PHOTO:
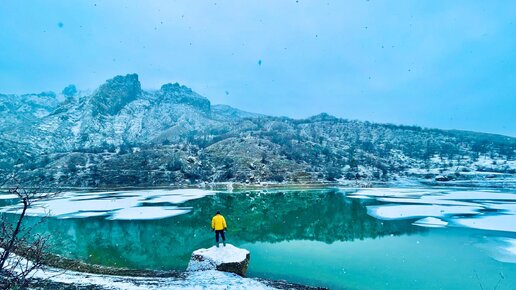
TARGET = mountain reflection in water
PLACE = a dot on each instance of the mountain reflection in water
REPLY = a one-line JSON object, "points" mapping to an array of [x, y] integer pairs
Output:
{"points": [[253, 216]]}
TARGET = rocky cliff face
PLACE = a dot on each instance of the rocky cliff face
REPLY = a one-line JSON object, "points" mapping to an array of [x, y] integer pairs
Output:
{"points": [[177, 94], [122, 135], [115, 94]]}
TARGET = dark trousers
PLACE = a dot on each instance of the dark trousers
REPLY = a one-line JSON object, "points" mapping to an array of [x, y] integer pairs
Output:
{"points": [[221, 233]]}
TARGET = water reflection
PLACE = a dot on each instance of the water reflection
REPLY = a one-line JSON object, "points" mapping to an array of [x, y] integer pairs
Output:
{"points": [[253, 216]]}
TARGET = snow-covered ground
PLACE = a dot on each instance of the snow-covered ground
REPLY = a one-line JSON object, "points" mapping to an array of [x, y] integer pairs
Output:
{"points": [[210, 279], [194, 280]]}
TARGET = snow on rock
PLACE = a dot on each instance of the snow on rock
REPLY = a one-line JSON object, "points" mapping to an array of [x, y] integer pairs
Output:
{"points": [[227, 259]]}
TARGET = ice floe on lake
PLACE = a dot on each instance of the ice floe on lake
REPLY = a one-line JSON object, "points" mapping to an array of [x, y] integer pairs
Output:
{"points": [[8, 196], [147, 213], [394, 192], [502, 249], [430, 222], [504, 223], [426, 200], [114, 205], [394, 211], [493, 210]]}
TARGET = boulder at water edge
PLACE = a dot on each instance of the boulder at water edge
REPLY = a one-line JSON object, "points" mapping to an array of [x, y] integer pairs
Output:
{"points": [[227, 259]]}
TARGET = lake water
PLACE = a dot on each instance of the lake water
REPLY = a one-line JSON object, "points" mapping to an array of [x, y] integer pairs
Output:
{"points": [[383, 238]]}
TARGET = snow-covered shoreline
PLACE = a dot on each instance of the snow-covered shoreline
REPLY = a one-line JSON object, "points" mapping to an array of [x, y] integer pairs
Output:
{"points": [[209, 279]]}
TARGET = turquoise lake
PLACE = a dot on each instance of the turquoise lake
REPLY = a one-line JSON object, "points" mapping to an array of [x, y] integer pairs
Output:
{"points": [[382, 238]]}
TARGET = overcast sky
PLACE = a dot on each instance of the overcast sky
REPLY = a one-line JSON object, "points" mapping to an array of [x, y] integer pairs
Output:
{"points": [[444, 64]]}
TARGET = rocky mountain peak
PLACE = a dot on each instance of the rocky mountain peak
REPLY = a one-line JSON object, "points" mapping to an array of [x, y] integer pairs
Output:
{"points": [[115, 93], [322, 117], [176, 93], [69, 91], [175, 88]]}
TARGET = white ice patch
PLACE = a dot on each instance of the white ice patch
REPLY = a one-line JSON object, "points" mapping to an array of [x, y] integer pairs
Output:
{"points": [[178, 196], [359, 196], [112, 204], [431, 222], [393, 211], [83, 214], [407, 203], [501, 249], [395, 192], [147, 213], [507, 208], [8, 196], [427, 200], [505, 223], [478, 195], [511, 247]]}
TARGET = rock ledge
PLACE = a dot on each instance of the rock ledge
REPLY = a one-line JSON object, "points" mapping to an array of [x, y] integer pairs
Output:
{"points": [[226, 259]]}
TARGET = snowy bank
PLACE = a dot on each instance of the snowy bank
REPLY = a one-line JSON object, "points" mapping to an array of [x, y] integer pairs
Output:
{"points": [[57, 278], [49, 277], [226, 259]]}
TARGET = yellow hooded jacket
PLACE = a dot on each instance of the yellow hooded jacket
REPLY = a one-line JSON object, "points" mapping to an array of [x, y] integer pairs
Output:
{"points": [[218, 223]]}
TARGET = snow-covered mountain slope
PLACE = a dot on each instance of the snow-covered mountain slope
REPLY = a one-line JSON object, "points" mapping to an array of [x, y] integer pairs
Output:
{"points": [[120, 134]]}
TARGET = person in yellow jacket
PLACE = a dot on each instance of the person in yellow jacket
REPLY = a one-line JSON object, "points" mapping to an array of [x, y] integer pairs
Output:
{"points": [[218, 224]]}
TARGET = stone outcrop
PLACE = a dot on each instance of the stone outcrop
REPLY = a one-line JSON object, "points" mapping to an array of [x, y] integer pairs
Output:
{"points": [[226, 259], [179, 94], [117, 92]]}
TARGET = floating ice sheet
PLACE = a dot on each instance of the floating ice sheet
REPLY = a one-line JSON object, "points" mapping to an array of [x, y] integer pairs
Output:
{"points": [[394, 211], [407, 203], [84, 214], [431, 222], [359, 196], [502, 222], [502, 249], [427, 200], [147, 213], [113, 204], [178, 196], [507, 208], [395, 192], [478, 195]]}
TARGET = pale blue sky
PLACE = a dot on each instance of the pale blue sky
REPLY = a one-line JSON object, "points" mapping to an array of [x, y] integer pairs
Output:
{"points": [[444, 64]]}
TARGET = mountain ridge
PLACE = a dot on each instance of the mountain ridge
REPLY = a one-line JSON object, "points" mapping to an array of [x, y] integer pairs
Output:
{"points": [[121, 134]]}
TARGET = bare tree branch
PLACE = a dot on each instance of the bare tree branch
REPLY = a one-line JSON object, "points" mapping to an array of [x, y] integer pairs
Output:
{"points": [[21, 252]]}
